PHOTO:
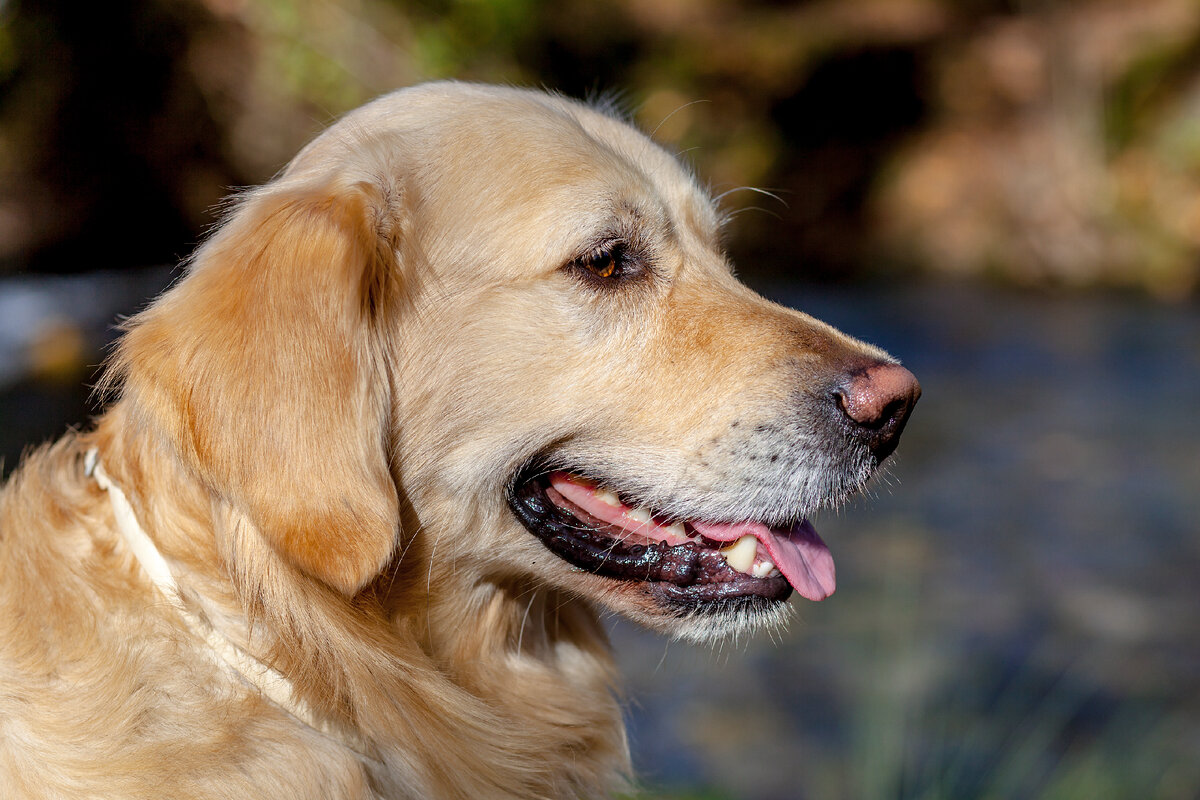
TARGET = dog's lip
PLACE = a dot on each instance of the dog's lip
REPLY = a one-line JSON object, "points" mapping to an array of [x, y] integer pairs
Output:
{"points": [[593, 528], [797, 551]]}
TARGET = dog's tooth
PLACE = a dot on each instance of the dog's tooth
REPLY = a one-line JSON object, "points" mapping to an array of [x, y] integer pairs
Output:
{"points": [[677, 529], [639, 514], [762, 569], [607, 497], [740, 555]]}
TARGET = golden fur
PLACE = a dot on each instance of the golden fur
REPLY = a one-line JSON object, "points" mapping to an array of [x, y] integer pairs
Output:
{"points": [[317, 426]]}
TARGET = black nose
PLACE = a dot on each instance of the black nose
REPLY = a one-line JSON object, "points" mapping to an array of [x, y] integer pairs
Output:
{"points": [[875, 402]]}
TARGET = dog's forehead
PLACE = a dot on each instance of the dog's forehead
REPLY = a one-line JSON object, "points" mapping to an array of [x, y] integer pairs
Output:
{"points": [[574, 168], [520, 151]]}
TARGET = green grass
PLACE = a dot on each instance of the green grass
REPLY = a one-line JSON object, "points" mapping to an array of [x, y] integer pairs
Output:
{"points": [[924, 716]]}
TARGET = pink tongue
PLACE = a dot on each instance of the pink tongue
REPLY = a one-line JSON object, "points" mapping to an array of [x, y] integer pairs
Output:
{"points": [[799, 553]]}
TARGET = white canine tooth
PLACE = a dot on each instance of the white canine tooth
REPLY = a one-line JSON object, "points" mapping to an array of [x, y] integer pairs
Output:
{"points": [[762, 569], [740, 554], [607, 497], [677, 529], [638, 514]]}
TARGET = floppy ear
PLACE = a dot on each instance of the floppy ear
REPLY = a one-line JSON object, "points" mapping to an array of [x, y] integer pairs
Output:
{"points": [[265, 365]]}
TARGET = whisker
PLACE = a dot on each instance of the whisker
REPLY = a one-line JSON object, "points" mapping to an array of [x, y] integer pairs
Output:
{"points": [[673, 113], [755, 189]]}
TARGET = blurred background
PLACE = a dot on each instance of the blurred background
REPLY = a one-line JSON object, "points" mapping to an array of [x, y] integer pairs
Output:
{"points": [[1006, 195]]}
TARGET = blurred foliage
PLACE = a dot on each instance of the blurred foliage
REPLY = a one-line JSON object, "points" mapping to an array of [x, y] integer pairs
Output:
{"points": [[1065, 148], [1045, 142]]}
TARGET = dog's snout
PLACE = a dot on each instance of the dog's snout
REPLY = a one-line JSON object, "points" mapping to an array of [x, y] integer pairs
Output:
{"points": [[875, 402]]}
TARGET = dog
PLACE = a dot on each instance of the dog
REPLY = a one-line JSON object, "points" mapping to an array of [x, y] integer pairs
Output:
{"points": [[471, 371]]}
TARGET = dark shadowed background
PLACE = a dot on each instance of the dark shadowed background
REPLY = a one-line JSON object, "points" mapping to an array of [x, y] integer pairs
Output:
{"points": [[1006, 195]]}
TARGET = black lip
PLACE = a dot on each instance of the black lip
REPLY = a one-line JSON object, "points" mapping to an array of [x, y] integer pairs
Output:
{"points": [[690, 575]]}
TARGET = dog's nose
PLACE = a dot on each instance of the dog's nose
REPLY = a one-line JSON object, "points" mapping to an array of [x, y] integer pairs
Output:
{"points": [[875, 402]]}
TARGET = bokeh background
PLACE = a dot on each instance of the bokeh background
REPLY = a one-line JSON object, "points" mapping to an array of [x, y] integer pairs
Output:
{"points": [[1005, 194]]}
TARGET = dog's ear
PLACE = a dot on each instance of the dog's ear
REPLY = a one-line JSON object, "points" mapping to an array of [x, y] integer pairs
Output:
{"points": [[265, 365]]}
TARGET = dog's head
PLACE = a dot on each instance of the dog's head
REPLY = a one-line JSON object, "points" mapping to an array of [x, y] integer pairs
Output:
{"points": [[505, 318]]}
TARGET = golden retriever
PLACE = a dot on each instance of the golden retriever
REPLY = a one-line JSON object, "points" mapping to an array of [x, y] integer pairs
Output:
{"points": [[470, 371]]}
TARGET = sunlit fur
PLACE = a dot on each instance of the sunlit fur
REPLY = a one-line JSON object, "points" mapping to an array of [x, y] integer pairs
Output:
{"points": [[318, 426]]}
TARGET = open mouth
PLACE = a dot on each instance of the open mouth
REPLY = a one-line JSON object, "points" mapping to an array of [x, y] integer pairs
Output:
{"points": [[686, 561]]}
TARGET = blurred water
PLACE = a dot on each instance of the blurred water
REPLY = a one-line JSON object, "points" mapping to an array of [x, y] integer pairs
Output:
{"points": [[1018, 611], [53, 331]]}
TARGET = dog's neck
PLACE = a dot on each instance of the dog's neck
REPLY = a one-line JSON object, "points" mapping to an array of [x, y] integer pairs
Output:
{"points": [[414, 676], [269, 683]]}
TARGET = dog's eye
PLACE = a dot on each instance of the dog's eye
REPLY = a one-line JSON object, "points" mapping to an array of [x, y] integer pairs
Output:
{"points": [[602, 266], [606, 264]]}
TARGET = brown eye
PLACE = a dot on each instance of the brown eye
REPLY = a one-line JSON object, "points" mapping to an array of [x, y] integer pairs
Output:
{"points": [[602, 265], [608, 266], [608, 263]]}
